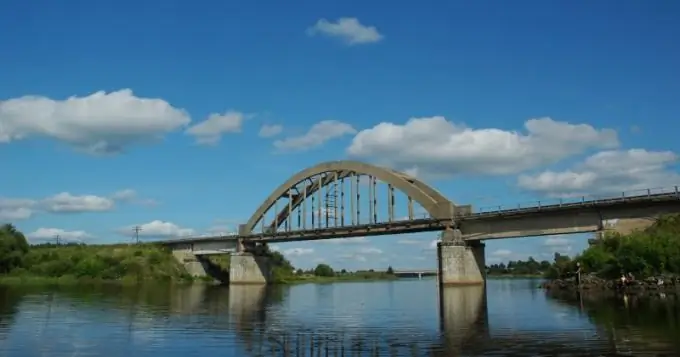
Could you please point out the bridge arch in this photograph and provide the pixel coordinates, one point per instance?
(429, 198)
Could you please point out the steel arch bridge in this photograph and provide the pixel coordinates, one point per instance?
(340, 194)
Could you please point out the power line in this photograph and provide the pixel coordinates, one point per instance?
(137, 229)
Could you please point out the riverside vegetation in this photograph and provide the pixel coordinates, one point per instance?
(132, 263)
(651, 255)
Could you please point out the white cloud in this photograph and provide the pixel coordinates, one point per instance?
(221, 230)
(317, 135)
(158, 228)
(53, 233)
(131, 196)
(210, 131)
(437, 147)
(124, 195)
(556, 242)
(268, 131)
(352, 256)
(409, 241)
(357, 240)
(347, 29)
(433, 244)
(501, 253)
(608, 172)
(67, 203)
(101, 123)
(14, 209)
(369, 250)
(296, 252)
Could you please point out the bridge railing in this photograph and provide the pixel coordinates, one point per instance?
(570, 201)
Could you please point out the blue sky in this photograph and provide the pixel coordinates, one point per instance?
(182, 117)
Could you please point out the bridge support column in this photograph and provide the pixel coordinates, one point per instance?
(460, 262)
(247, 268)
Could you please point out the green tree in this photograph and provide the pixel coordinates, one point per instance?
(13, 248)
(324, 270)
(390, 270)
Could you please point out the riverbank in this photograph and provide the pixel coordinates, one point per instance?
(514, 276)
(591, 283)
(79, 263)
(348, 277)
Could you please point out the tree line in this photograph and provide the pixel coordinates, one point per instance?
(650, 252)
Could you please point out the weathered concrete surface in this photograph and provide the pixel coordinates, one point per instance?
(194, 265)
(461, 264)
(245, 268)
(578, 220)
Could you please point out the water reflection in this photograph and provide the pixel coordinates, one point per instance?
(463, 317)
(630, 322)
(402, 318)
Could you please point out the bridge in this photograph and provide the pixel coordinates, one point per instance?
(346, 199)
(414, 273)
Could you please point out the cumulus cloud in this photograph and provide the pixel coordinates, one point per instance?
(296, 252)
(210, 131)
(556, 242)
(605, 172)
(67, 203)
(158, 229)
(316, 136)
(268, 131)
(347, 29)
(130, 196)
(100, 123)
(438, 147)
(63, 235)
(14, 209)
(357, 240)
(501, 253)
(369, 250)
(409, 241)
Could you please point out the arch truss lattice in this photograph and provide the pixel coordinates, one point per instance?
(333, 194)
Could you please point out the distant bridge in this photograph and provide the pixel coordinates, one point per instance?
(415, 273)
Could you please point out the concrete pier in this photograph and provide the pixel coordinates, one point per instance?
(245, 268)
(460, 262)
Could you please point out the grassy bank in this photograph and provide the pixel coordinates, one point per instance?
(80, 263)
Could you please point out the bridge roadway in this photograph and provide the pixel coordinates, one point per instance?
(562, 218)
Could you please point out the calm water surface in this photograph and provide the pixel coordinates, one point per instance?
(398, 318)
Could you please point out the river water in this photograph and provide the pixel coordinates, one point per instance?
(395, 318)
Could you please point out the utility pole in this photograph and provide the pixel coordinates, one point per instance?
(56, 237)
(137, 229)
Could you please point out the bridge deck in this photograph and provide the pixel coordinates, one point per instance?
(432, 224)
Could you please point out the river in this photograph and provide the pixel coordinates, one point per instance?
(395, 318)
